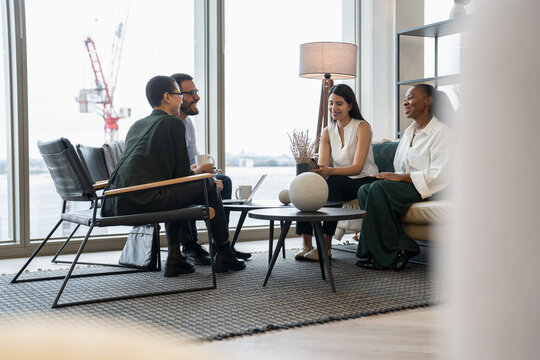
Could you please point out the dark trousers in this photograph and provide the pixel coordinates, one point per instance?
(191, 235)
(340, 188)
(190, 194)
(382, 236)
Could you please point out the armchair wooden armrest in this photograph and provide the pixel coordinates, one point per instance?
(157, 184)
(100, 184)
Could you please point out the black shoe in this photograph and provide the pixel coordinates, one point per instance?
(226, 260)
(196, 254)
(175, 267)
(402, 260)
(241, 255)
(367, 263)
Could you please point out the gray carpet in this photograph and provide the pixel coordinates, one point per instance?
(295, 296)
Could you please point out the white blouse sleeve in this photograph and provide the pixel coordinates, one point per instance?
(434, 177)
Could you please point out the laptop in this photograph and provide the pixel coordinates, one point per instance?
(248, 199)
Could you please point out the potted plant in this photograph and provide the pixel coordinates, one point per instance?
(303, 149)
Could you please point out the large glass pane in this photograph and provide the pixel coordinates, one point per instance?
(449, 46)
(155, 42)
(264, 96)
(6, 231)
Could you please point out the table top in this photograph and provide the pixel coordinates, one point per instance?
(293, 214)
(268, 203)
(255, 204)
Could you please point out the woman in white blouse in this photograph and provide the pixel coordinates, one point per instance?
(346, 141)
(421, 170)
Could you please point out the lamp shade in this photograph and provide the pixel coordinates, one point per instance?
(336, 59)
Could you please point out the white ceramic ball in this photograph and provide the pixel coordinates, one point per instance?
(284, 197)
(308, 191)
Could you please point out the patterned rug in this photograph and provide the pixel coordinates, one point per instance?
(295, 296)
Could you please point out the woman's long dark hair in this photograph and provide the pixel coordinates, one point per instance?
(347, 93)
(440, 105)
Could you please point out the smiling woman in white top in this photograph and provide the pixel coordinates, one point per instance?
(346, 143)
(421, 170)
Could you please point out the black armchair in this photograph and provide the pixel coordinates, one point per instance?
(94, 160)
(73, 183)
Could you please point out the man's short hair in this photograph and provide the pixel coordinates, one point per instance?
(156, 87)
(179, 77)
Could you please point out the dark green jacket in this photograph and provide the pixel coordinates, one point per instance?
(155, 151)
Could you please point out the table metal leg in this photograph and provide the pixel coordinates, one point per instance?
(270, 241)
(243, 215)
(283, 248)
(282, 236)
(319, 236)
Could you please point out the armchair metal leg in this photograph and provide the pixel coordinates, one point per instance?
(65, 243)
(93, 301)
(14, 280)
(158, 266)
(66, 279)
(209, 229)
(212, 253)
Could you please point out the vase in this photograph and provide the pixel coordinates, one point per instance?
(458, 9)
(302, 168)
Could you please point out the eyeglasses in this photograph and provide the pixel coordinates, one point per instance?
(191, 93)
(180, 93)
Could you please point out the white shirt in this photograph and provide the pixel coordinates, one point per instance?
(344, 155)
(427, 159)
(191, 141)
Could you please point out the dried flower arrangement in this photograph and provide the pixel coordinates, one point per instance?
(302, 146)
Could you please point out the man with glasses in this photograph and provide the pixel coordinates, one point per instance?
(156, 150)
(192, 250)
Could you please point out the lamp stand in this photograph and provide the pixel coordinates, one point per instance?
(322, 121)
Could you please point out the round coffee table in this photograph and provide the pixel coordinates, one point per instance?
(289, 214)
(254, 205)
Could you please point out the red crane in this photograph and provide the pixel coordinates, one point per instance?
(102, 94)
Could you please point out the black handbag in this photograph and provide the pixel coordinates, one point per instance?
(142, 248)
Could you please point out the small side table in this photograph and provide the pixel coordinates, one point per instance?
(289, 214)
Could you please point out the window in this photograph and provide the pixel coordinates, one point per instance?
(449, 48)
(6, 220)
(158, 40)
(264, 96)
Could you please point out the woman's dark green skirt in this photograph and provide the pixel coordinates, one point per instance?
(382, 235)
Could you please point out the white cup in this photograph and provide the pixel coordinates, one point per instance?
(204, 159)
(243, 191)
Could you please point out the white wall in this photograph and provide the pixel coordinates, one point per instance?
(377, 65)
(379, 21)
(494, 260)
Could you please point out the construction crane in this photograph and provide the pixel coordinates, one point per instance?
(100, 98)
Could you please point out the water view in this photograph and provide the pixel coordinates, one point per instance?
(45, 204)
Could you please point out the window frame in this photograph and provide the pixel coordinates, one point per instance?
(209, 73)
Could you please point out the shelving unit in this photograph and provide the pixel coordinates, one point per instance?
(435, 31)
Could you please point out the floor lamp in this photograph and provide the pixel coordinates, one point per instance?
(327, 61)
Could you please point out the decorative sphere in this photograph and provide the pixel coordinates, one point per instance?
(284, 197)
(308, 191)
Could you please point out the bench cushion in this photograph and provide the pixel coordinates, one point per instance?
(428, 212)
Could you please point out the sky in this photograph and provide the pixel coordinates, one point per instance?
(265, 99)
